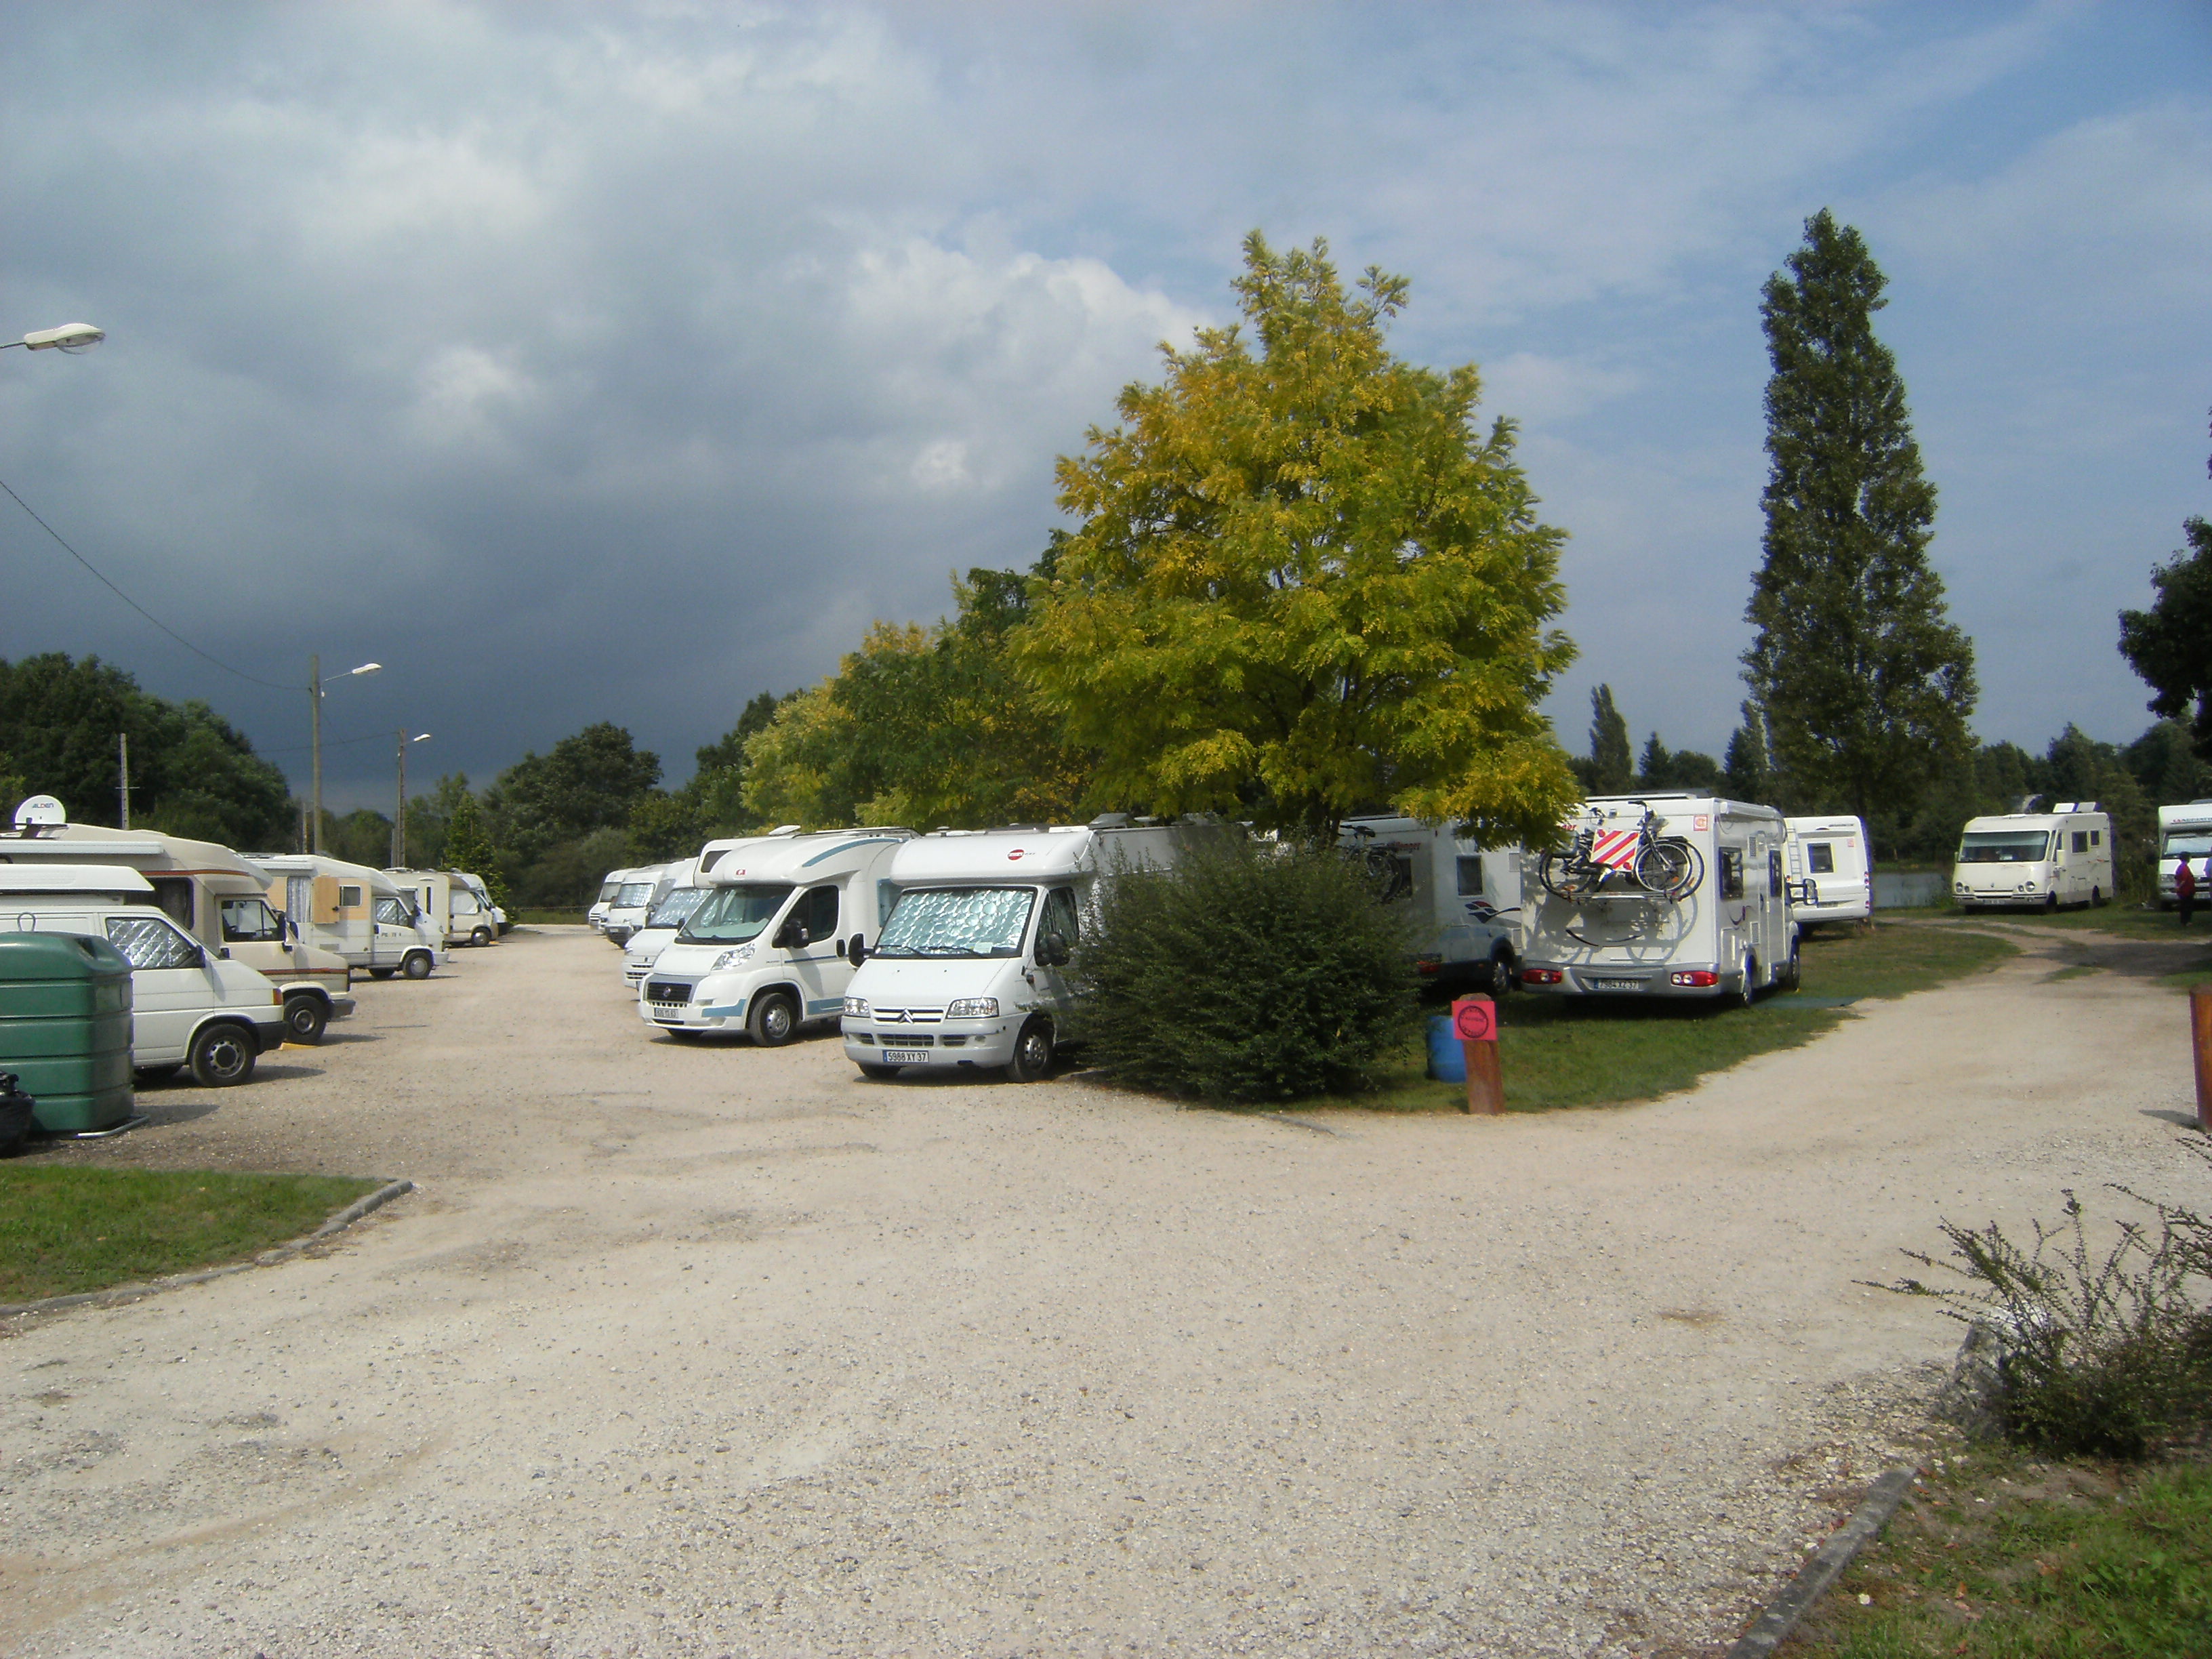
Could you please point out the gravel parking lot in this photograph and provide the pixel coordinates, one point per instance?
(713, 1349)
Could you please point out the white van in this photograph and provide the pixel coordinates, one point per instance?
(213, 894)
(1829, 857)
(2045, 859)
(355, 911)
(768, 950)
(456, 908)
(189, 1005)
(634, 899)
(1468, 898)
(2184, 832)
(643, 948)
(968, 971)
(609, 884)
(1662, 894)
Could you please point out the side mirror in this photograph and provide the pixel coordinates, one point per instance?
(1052, 951)
(224, 952)
(790, 936)
(857, 952)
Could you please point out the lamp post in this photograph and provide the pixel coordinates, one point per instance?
(399, 816)
(315, 685)
(72, 337)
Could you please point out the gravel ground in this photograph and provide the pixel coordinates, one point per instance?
(717, 1351)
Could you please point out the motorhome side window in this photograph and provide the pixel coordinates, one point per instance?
(147, 943)
(174, 895)
(1470, 877)
(2081, 841)
(249, 922)
(1731, 872)
(2096, 838)
(1820, 858)
(349, 898)
(1059, 917)
(1774, 870)
(818, 913)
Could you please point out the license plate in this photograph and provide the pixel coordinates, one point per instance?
(1616, 985)
(906, 1057)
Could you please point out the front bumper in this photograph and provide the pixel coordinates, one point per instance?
(2000, 901)
(342, 1007)
(951, 1043)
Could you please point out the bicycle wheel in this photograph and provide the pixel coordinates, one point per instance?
(1567, 877)
(1671, 869)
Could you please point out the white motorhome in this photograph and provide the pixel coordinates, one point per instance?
(213, 894)
(634, 899)
(770, 949)
(609, 884)
(1467, 898)
(674, 908)
(967, 973)
(712, 855)
(358, 912)
(453, 904)
(2044, 859)
(2184, 832)
(500, 924)
(1662, 895)
(1829, 857)
(189, 1005)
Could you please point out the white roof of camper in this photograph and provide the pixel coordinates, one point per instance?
(73, 879)
(2025, 820)
(143, 848)
(1669, 803)
(316, 864)
(816, 857)
(964, 856)
(1837, 825)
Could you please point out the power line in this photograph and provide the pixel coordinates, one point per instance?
(133, 603)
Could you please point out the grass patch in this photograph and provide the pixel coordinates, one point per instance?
(1572, 1051)
(2129, 920)
(1999, 1555)
(65, 1229)
(548, 918)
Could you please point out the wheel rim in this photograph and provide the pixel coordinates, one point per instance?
(302, 1020)
(225, 1058)
(1036, 1052)
(775, 1020)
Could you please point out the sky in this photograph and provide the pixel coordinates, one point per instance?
(588, 362)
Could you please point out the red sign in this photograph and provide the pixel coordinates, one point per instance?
(1474, 1019)
(1015, 854)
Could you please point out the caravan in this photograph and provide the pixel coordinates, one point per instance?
(355, 911)
(771, 947)
(1665, 894)
(210, 892)
(2183, 832)
(1830, 857)
(967, 973)
(2045, 859)
(1465, 897)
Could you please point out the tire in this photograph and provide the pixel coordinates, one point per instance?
(2050, 903)
(1562, 877)
(1498, 978)
(416, 966)
(1033, 1053)
(1793, 974)
(1669, 869)
(382, 973)
(221, 1056)
(304, 1017)
(2096, 898)
(774, 1020)
(876, 1073)
(1748, 992)
(481, 936)
(157, 1073)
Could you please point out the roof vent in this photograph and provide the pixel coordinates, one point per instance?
(1110, 821)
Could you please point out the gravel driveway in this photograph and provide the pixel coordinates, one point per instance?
(715, 1350)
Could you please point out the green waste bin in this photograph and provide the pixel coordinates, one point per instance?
(65, 1028)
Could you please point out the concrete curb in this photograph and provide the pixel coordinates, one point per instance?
(1826, 1563)
(123, 1293)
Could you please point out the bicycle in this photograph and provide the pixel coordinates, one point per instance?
(1664, 867)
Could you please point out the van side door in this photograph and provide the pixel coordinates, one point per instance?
(821, 972)
(1058, 915)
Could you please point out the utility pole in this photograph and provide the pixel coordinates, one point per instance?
(399, 816)
(123, 778)
(315, 716)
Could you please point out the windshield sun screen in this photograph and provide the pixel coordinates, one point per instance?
(957, 921)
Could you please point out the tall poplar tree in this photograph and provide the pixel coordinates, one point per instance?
(1865, 683)
(1611, 764)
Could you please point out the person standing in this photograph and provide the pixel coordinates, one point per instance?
(2184, 888)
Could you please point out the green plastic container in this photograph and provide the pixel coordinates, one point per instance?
(65, 1028)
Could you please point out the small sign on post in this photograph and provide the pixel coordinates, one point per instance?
(1474, 1019)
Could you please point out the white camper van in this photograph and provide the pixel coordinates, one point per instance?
(213, 894)
(2044, 859)
(1663, 894)
(1829, 857)
(355, 911)
(2184, 832)
(769, 949)
(967, 970)
(633, 901)
(643, 948)
(189, 1005)
(609, 884)
(1468, 898)
(456, 908)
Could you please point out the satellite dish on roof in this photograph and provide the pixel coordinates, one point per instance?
(40, 812)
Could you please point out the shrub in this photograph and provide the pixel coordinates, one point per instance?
(1247, 972)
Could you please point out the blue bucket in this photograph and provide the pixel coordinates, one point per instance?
(1447, 1054)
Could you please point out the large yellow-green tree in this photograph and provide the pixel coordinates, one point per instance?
(1307, 581)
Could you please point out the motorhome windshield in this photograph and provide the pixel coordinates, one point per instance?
(632, 894)
(608, 891)
(2003, 847)
(731, 915)
(2187, 843)
(957, 921)
(676, 909)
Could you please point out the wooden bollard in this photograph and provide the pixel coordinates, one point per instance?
(2200, 1032)
(1475, 1020)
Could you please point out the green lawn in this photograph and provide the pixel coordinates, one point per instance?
(2000, 1556)
(2130, 920)
(548, 918)
(65, 1229)
(1572, 1051)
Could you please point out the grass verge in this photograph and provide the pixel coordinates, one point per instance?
(64, 1229)
(1570, 1051)
(548, 918)
(2000, 1555)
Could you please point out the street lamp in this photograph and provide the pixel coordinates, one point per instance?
(70, 337)
(399, 818)
(315, 685)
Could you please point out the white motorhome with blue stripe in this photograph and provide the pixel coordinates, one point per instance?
(769, 949)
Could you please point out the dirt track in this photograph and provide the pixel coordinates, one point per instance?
(709, 1351)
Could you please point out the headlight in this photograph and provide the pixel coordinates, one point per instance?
(972, 1008)
(857, 1007)
(743, 953)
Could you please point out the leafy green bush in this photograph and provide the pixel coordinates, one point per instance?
(1248, 972)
